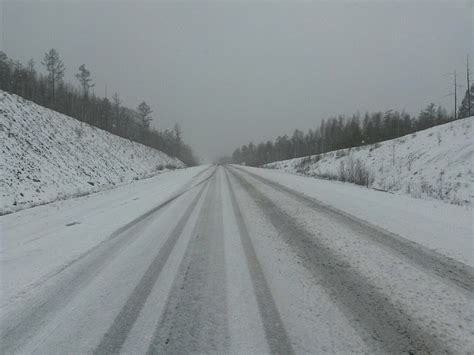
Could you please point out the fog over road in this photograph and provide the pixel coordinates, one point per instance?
(232, 263)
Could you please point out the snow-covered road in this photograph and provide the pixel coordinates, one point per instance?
(223, 260)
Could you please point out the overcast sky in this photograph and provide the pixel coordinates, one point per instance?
(231, 72)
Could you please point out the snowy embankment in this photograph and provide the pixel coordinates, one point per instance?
(436, 163)
(46, 156)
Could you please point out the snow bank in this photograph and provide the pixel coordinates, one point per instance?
(47, 156)
(435, 163)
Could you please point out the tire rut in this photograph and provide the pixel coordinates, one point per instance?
(115, 337)
(447, 270)
(195, 316)
(275, 332)
(382, 325)
(33, 313)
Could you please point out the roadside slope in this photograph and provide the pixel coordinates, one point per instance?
(47, 156)
(435, 163)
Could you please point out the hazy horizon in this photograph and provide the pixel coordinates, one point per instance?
(234, 72)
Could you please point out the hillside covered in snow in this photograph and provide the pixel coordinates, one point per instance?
(47, 156)
(435, 163)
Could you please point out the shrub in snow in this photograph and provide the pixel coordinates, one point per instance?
(355, 171)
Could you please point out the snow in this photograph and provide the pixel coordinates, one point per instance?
(435, 163)
(308, 311)
(39, 246)
(46, 156)
(37, 242)
(56, 305)
(443, 227)
(143, 330)
(246, 328)
(436, 307)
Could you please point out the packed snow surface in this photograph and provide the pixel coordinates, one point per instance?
(221, 260)
(444, 228)
(47, 156)
(435, 163)
(66, 229)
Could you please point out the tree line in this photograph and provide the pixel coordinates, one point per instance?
(51, 91)
(346, 132)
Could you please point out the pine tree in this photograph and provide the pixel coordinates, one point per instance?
(55, 68)
(5, 73)
(84, 77)
(467, 103)
(427, 117)
(178, 139)
(144, 112)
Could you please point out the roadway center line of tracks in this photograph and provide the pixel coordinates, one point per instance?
(275, 332)
(195, 314)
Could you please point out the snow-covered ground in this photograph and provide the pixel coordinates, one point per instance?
(445, 228)
(46, 156)
(233, 263)
(437, 163)
(36, 242)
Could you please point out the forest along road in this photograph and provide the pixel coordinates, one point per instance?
(234, 263)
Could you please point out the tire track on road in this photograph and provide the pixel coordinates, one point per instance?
(126, 228)
(275, 332)
(115, 337)
(195, 316)
(447, 270)
(26, 321)
(384, 327)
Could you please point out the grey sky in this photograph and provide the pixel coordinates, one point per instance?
(231, 72)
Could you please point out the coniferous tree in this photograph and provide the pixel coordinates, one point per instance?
(100, 112)
(144, 112)
(427, 117)
(467, 103)
(55, 68)
(84, 77)
(177, 136)
(5, 73)
(339, 133)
